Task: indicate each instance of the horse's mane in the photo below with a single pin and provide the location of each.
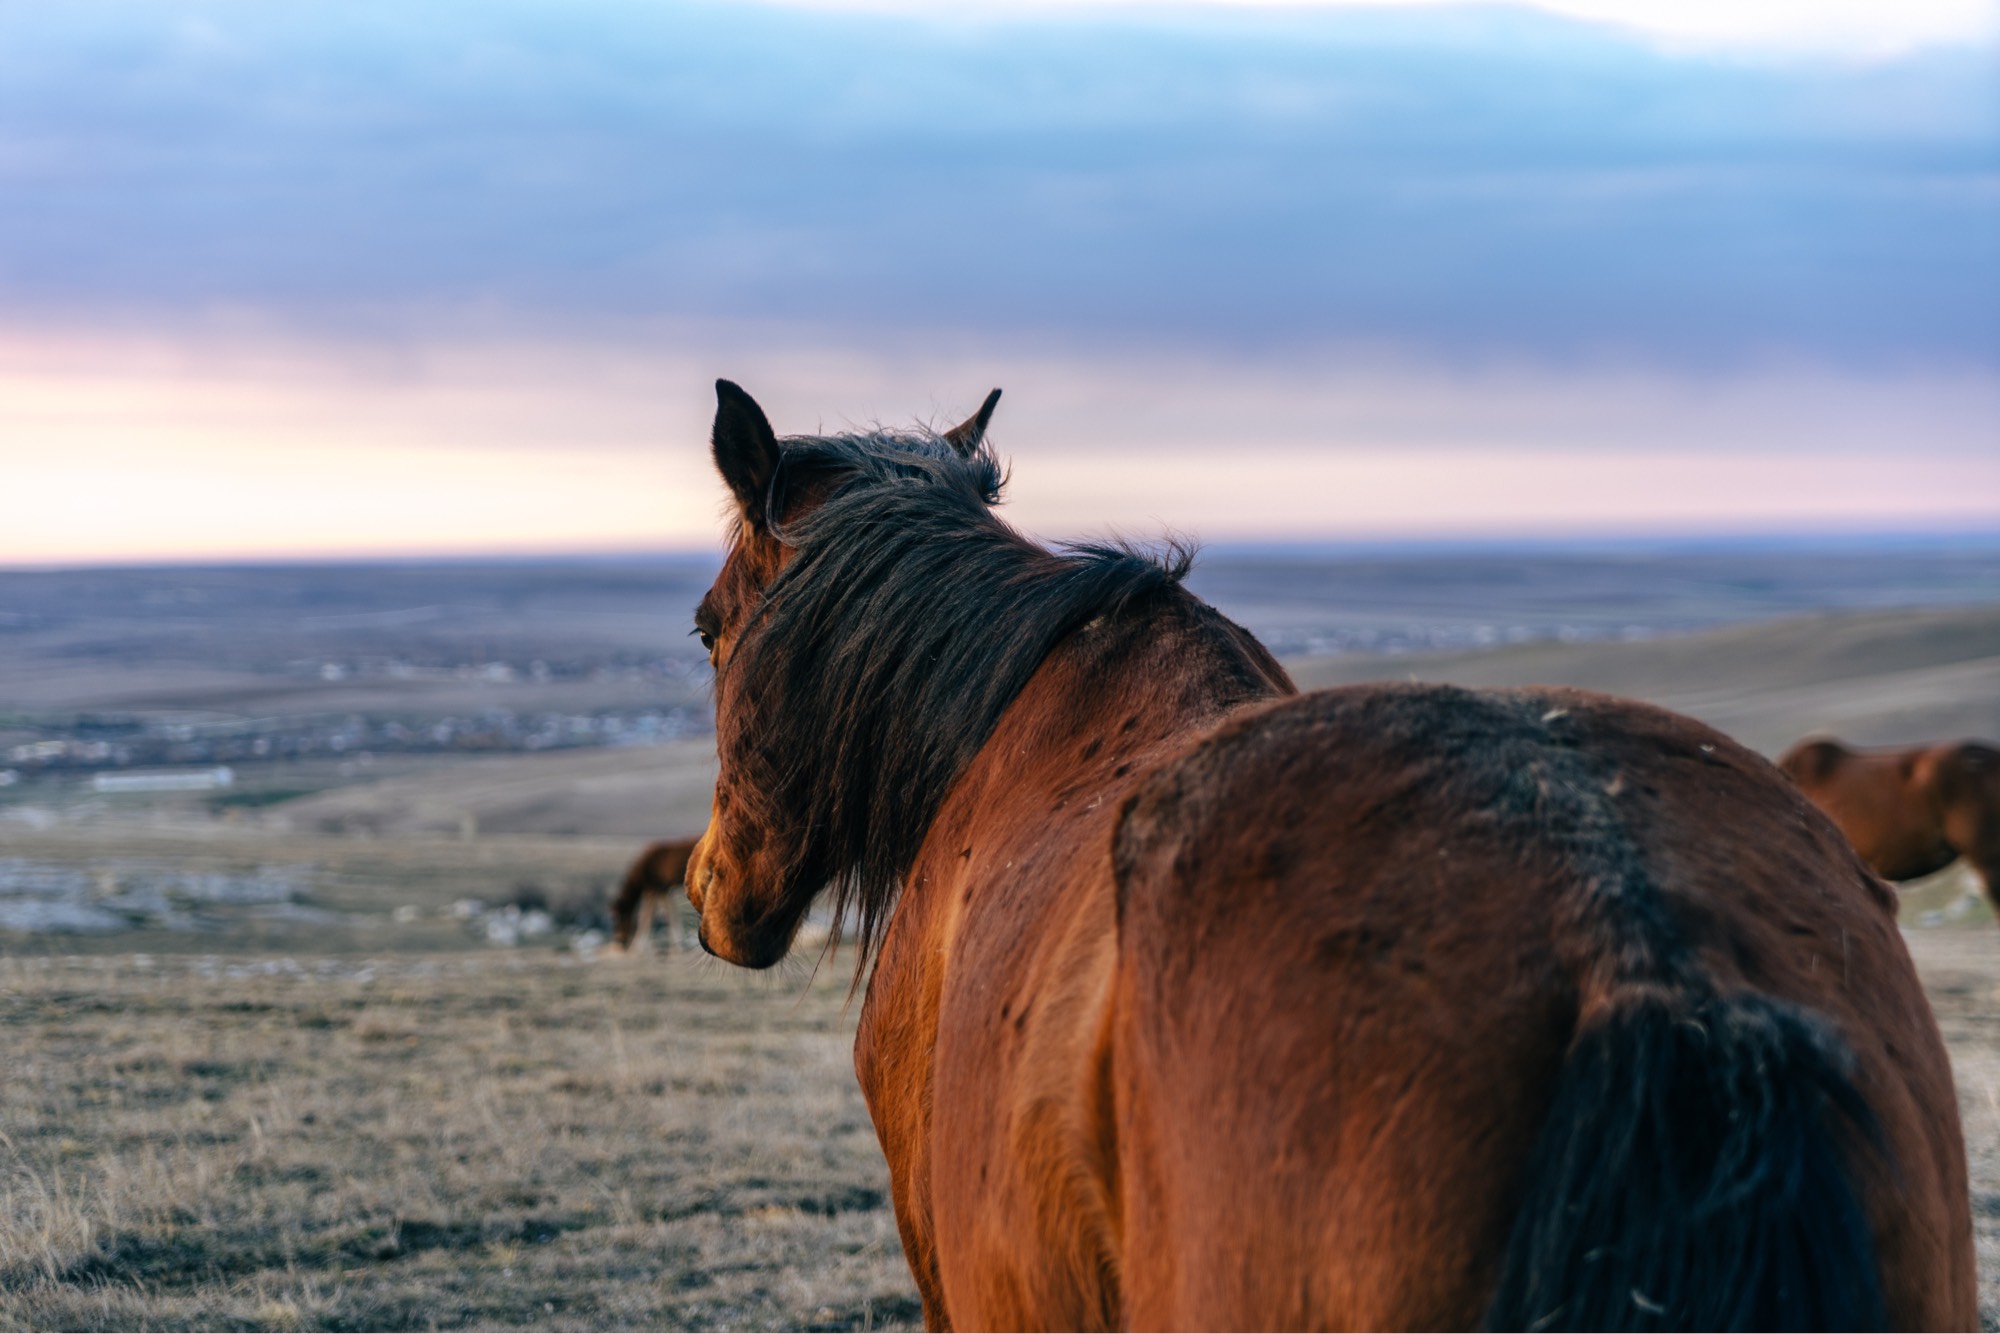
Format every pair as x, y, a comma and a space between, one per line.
906, 621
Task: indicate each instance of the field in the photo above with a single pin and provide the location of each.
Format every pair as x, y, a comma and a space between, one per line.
516, 1140
335, 1046
469, 1140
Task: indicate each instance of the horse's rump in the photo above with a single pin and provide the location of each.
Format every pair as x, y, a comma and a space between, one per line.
1376, 944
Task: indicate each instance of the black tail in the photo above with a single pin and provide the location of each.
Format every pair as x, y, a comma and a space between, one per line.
1691, 1176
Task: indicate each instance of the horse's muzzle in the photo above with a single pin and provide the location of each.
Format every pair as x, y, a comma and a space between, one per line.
700, 870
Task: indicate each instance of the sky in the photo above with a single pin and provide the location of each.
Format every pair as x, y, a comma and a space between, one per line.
356, 278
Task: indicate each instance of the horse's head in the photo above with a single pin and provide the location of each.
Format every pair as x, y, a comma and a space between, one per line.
752, 877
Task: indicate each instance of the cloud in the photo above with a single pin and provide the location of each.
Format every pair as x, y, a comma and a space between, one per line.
1460, 184
372, 277
1850, 27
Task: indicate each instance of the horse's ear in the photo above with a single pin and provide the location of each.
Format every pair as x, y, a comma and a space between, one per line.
746, 451
965, 436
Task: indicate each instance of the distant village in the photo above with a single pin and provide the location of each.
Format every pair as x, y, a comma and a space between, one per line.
107, 741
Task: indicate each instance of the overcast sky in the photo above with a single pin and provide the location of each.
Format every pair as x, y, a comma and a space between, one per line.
340, 235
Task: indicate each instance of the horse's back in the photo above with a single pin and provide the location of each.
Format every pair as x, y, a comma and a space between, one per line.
667, 860
1359, 932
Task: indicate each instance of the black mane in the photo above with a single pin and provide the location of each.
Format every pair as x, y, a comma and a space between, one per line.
905, 623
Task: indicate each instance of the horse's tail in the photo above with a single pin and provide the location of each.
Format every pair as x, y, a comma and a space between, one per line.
1693, 1174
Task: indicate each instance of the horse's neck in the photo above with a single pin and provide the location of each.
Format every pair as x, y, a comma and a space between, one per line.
1115, 694
1176, 669
1108, 702
1030, 815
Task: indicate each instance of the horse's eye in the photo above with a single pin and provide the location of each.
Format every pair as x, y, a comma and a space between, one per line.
707, 640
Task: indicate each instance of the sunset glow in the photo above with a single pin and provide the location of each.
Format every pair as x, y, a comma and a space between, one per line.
322, 280
129, 453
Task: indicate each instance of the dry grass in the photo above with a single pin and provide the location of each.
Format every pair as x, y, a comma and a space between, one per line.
511, 1139
353, 887
487, 1140
1961, 971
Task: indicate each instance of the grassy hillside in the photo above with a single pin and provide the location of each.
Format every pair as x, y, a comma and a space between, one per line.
1874, 678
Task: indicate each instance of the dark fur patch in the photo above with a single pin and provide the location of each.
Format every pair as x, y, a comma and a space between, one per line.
907, 620
1518, 763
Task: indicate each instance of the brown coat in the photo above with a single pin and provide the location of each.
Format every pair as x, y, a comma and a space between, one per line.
1202, 1004
1909, 810
647, 888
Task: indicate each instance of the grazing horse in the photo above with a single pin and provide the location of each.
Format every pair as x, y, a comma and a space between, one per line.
645, 890
1198, 1003
1912, 810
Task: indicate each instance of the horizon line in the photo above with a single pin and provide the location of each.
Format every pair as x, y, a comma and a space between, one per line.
1973, 539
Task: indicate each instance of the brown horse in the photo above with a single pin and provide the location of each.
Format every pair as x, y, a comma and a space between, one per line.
1197, 1003
645, 889
1909, 811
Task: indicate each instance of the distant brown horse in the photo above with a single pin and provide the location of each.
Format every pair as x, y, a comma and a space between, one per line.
660, 869
1197, 1003
1912, 810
